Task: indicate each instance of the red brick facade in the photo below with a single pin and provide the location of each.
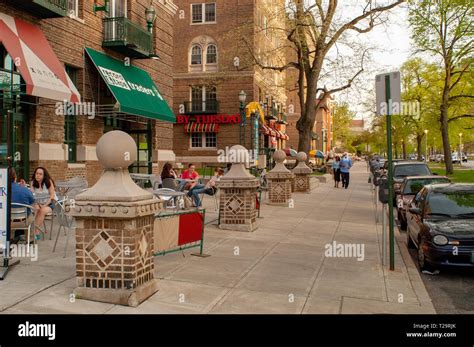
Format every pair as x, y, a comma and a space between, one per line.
234, 19
68, 38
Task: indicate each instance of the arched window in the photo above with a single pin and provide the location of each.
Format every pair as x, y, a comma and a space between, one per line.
196, 55
211, 54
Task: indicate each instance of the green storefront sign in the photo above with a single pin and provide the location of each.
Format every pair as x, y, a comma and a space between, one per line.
132, 87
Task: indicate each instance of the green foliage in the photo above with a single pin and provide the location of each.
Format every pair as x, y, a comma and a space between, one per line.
342, 121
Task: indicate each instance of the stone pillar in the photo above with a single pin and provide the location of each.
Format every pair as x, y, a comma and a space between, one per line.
302, 174
279, 181
238, 189
114, 233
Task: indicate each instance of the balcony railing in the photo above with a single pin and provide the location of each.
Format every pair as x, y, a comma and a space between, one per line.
127, 37
201, 107
43, 8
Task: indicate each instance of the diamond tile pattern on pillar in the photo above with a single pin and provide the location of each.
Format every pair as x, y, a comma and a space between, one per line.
103, 250
143, 248
234, 204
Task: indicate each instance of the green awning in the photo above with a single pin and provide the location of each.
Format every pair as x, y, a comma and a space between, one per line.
132, 87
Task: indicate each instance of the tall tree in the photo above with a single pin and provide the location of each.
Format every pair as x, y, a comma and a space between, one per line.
444, 28
313, 29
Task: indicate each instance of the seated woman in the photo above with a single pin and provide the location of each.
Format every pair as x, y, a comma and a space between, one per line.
209, 189
188, 179
41, 182
168, 172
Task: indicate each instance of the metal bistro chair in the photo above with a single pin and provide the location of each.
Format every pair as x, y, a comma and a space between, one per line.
155, 181
23, 218
64, 221
170, 195
216, 203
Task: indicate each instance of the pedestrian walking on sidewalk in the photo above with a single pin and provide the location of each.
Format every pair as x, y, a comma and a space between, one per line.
336, 171
345, 166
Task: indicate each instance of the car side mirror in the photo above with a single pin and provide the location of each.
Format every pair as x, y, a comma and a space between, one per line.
415, 210
435, 174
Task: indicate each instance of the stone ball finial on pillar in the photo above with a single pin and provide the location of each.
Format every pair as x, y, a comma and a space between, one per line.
301, 157
116, 150
279, 157
238, 155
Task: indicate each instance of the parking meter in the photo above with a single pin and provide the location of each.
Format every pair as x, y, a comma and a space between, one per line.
376, 178
383, 189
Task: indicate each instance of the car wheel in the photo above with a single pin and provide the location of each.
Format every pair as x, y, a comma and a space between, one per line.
424, 265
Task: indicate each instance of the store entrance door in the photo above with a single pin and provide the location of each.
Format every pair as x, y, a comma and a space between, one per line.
143, 164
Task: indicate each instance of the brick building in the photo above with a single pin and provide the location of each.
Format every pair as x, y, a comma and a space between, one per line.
101, 53
215, 42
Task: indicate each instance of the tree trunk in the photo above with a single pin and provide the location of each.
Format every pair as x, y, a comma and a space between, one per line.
445, 124
445, 136
306, 122
404, 150
419, 146
395, 145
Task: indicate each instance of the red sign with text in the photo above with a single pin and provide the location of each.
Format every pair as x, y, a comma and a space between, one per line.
211, 119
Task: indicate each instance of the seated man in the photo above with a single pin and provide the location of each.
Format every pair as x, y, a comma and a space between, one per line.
209, 188
188, 178
20, 193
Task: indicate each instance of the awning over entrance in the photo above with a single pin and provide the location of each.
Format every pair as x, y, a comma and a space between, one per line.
43, 73
132, 88
201, 128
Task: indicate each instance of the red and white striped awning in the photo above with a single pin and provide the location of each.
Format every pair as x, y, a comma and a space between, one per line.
201, 128
42, 71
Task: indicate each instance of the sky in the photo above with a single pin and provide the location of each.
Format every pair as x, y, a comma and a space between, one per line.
394, 48
390, 48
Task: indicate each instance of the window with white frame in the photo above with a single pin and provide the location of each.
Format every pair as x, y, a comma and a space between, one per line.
203, 55
196, 55
211, 54
203, 13
203, 140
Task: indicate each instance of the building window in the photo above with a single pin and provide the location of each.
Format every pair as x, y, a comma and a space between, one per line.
211, 140
204, 98
210, 13
203, 140
196, 140
196, 55
211, 54
203, 13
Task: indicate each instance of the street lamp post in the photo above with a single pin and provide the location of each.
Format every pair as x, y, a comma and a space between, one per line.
426, 145
243, 120
460, 149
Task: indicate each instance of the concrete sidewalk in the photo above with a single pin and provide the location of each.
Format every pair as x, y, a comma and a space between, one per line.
280, 268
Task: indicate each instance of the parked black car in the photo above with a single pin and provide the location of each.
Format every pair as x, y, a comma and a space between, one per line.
441, 225
402, 170
410, 187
